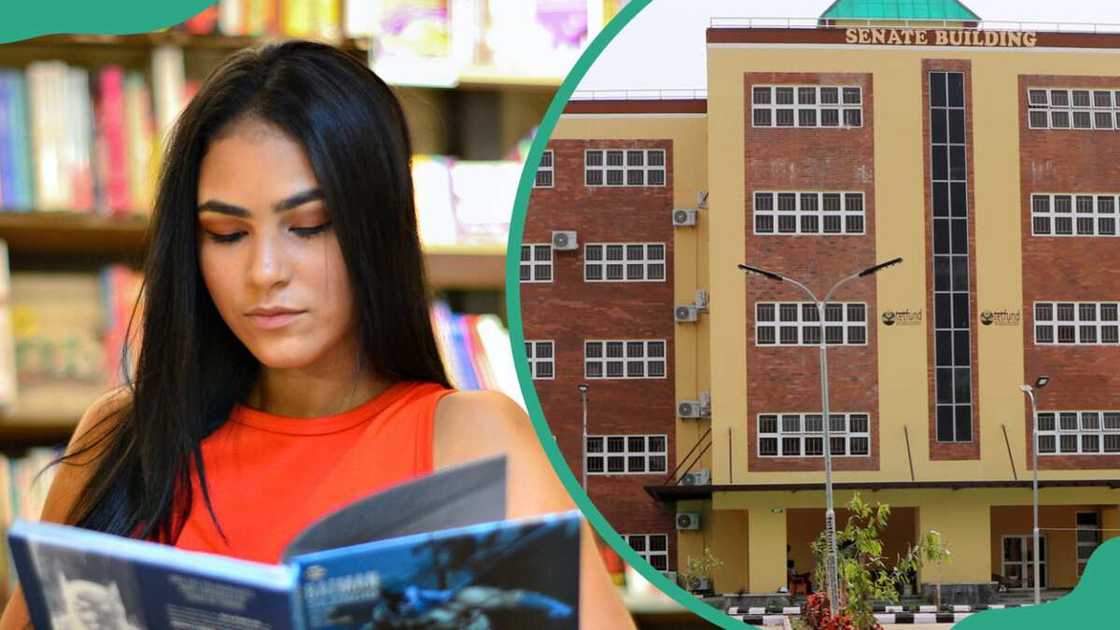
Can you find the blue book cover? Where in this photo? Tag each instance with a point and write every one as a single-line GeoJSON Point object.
{"type": "Point", "coordinates": [425, 554]}
{"type": "Point", "coordinates": [462, 348]}
{"type": "Point", "coordinates": [7, 178]}
{"type": "Point", "coordinates": [20, 142]}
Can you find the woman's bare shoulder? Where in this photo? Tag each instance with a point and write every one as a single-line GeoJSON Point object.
{"type": "Point", "coordinates": [477, 424]}
{"type": "Point", "coordinates": [84, 453]}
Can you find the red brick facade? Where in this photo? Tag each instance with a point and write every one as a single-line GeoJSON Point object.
{"type": "Point", "coordinates": [1068, 268]}
{"type": "Point", "coordinates": [569, 310]}
{"type": "Point", "coordinates": [787, 378]}
{"type": "Point", "coordinates": [951, 450]}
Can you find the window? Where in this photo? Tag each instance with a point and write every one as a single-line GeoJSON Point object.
{"type": "Point", "coordinates": [624, 358]}
{"type": "Point", "coordinates": [952, 310]}
{"type": "Point", "coordinates": [802, 434]}
{"type": "Point", "coordinates": [1077, 323]}
{"type": "Point", "coordinates": [1074, 214]}
{"type": "Point", "coordinates": [624, 167]}
{"type": "Point", "coordinates": [542, 360]}
{"type": "Point", "coordinates": [536, 262]}
{"type": "Point", "coordinates": [808, 213]}
{"type": "Point", "coordinates": [545, 171]}
{"type": "Point", "coordinates": [1088, 537]}
{"type": "Point", "coordinates": [653, 548]}
{"type": "Point", "coordinates": [1073, 108]}
{"type": "Point", "coordinates": [1079, 433]}
{"type": "Point", "coordinates": [797, 324]}
{"type": "Point", "coordinates": [624, 262]}
{"type": "Point", "coordinates": [806, 106]}
{"type": "Point", "coordinates": [627, 454]}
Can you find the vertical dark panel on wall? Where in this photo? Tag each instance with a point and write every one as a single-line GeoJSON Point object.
{"type": "Point", "coordinates": [952, 316]}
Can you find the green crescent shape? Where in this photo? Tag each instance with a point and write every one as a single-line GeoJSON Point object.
{"type": "Point", "coordinates": [23, 20]}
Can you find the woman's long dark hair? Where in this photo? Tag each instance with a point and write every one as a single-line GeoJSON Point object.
{"type": "Point", "coordinates": [191, 369]}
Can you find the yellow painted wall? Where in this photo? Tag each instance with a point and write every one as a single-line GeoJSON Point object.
{"type": "Point", "coordinates": [1110, 521]}
{"type": "Point", "coordinates": [899, 231]}
{"type": "Point", "coordinates": [690, 175]}
{"type": "Point", "coordinates": [963, 517]}
{"type": "Point", "coordinates": [1061, 555]}
{"type": "Point", "coordinates": [766, 557]}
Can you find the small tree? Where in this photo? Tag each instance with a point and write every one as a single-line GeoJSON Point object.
{"type": "Point", "coordinates": [862, 572]}
{"type": "Point", "coordinates": [699, 570]}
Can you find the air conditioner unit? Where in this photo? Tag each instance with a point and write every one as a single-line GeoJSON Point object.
{"type": "Point", "coordinates": [686, 313]}
{"type": "Point", "coordinates": [564, 241]}
{"type": "Point", "coordinates": [693, 408]}
{"type": "Point", "coordinates": [683, 217]}
{"type": "Point", "coordinates": [690, 409]}
{"type": "Point", "coordinates": [688, 520]}
{"type": "Point", "coordinates": [702, 199]}
{"type": "Point", "coordinates": [702, 477]}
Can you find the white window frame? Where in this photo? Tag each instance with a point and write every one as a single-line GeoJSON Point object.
{"type": "Point", "coordinates": [648, 554]}
{"type": "Point", "coordinates": [626, 263]}
{"type": "Point", "coordinates": [1090, 545]}
{"type": "Point", "coordinates": [802, 434]}
{"type": "Point", "coordinates": [626, 360]}
{"type": "Point", "coordinates": [1111, 111]}
{"type": "Point", "coordinates": [597, 448]}
{"type": "Point", "coordinates": [799, 212]}
{"type": "Point", "coordinates": [841, 107]}
{"type": "Point", "coordinates": [1098, 219]}
{"type": "Point", "coordinates": [801, 323]}
{"type": "Point", "coordinates": [625, 168]}
{"type": "Point", "coordinates": [532, 348]}
{"type": "Point", "coordinates": [547, 166]}
{"type": "Point", "coordinates": [1051, 430]}
{"type": "Point", "coordinates": [1099, 325]}
{"type": "Point", "coordinates": [535, 264]}
{"type": "Point", "coordinates": [1026, 548]}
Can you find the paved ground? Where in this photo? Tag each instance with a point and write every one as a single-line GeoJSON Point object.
{"type": "Point", "coordinates": [919, 626]}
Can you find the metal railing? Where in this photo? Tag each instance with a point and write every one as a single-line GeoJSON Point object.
{"type": "Point", "coordinates": [639, 95]}
{"type": "Point", "coordinates": [986, 25]}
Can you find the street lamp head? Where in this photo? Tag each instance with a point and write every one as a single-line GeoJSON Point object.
{"type": "Point", "coordinates": [582, 387]}
{"type": "Point", "coordinates": [770, 275]}
{"type": "Point", "coordinates": [1041, 382]}
{"type": "Point", "coordinates": [879, 267]}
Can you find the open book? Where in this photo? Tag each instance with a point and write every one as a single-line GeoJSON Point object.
{"type": "Point", "coordinates": [433, 553]}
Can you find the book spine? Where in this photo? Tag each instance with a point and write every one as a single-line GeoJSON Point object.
{"type": "Point", "coordinates": [78, 134]}
{"type": "Point", "coordinates": [113, 127]}
{"type": "Point", "coordinates": [21, 146]}
{"type": "Point", "coordinates": [8, 388]}
{"type": "Point", "coordinates": [231, 17]}
{"type": "Point", "coordinates": [462, 352]}
{"type": "Point", "coordinates": [7, 181]}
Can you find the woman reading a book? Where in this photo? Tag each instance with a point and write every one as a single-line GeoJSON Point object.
{"type": "Point", "coordinates": [288, 364]}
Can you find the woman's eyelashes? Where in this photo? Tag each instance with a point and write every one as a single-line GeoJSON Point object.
{"type": "Point", "coordinates": [302, 232]}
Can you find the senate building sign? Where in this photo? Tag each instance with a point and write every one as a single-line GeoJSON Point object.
{"type": "Point", "coordinates": [941, 37]}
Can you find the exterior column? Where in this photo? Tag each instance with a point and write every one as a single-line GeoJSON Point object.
{"type": "Point", "coordinates": [766, 558]}
{"type": "Point", "coordinates": [965, 525]}
{"type": "Point", "coordinates": [1110, 522]}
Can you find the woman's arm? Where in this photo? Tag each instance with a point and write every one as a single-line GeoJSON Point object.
{"type": "Point", "coordinates": [475, 425]}
{"type": "Point", "coordinates": [68, 483]}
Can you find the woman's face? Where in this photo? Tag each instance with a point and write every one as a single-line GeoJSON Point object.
{"type": "Point", "coordinates": [268, 252]}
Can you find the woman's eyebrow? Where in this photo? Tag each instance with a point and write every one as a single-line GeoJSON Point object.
{"type": "Point", "coordinates": [294, 201]}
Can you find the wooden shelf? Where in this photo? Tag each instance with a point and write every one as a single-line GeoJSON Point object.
{"type": "Point", "coordinates": [76, 234]}
{"type": "Point", "coordinates": [473, 77]}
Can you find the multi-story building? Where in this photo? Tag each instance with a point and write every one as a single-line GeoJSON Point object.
{"type": "Point", "coordinates": [986, 155]}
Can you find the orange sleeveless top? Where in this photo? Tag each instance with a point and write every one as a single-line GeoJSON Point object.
{"type": "Point", "coordinates": [271, 476]}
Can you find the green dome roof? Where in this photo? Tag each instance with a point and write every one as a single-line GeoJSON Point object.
{"type": "Point", "coordinates": [899, 10]}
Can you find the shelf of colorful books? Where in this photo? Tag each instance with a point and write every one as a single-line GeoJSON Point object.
{"type": "Point", "coordinates": [83, 234]}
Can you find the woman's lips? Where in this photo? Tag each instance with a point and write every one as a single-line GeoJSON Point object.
{"type": "Point", "coordinates": [273, 320]}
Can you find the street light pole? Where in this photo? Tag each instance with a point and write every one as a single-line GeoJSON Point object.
{"type": "Point", "coordinates": [582, 387]}
{"type": "Point", "coordinates": [1029, 391]}
{"type": "Point", "coordinates": [831, 562]}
